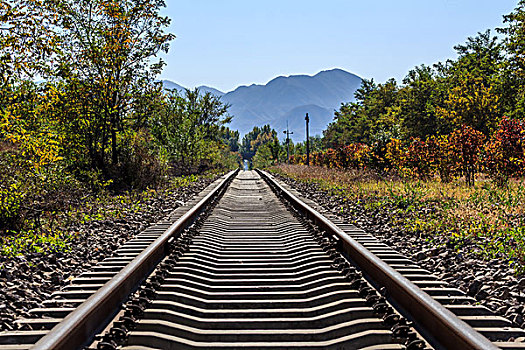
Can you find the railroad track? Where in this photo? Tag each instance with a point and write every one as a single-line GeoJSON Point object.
{"type": "Point", "coordinates": [249, 264]}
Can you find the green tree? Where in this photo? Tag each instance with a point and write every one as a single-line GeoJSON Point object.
{"type": "Point", "coordinates": [366, 119]}
{"type": "Point", "coordinates": [471, 103]}
{"type": "Point", "coordinates": [256, 138]}
{"type": "Point", "coordinates": [105, 57]}
{"type": "Point", "coordinates": [26, 39]}
{"type": "Point", "coordinates": [316, 145]}
{"type": "Point", "coordinates": [270, 153]}
{"type": "Point", "coordinates": [417, 103]}
{"type": "Point", "coordinates": [183, 126]}
{"type": "Point", "coordinates": [473, 85]}
{"type": "Point", "coordinates": [230, 138]}
{"type": "Point", "coordinates": [514, 72]}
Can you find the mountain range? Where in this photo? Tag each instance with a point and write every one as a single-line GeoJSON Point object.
{"type": "Point", "coordinates": [287, 100]}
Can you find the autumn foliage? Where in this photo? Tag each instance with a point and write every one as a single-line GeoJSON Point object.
{"type": "Point", "coordinates": [504, 153]}
{"type": "Point", "coordinates": [462, 153]}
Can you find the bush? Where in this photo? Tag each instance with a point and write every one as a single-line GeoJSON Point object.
{"type": "Point", "coordinates": [441, 155]}
{"type": "Point", "coordinates": [504, 153]}
{"type": "Point", "coordinates": [419, 158]}
{"type": "Point", "coordinates": [354, 155]}
{"type": "Point", "coordinates": [139, 166]}
{"type": "Point", "coordinates": [27, 194]}
{"type": "Point", "coordinates": [456, 154]}
{"type": "Point", "coordinates": [467, 143]}
{"type": "Point", "coordinates": [396, 157]}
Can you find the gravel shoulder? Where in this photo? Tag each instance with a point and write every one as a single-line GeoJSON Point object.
{"type": "Point", "coordinates": [29, 279]}
{"type": "Point", "coordinates": [492, 282]}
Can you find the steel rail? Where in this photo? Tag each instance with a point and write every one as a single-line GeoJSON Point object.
{"type": "Point", "coordinates": [445, 327]}
{"type": "Point", "coordinates": [80, 326]}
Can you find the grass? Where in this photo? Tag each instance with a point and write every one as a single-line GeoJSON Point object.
{"type": "Point", "coordinates": [53, 234]}
{"type": "Point", "coordinates": [488, 219]}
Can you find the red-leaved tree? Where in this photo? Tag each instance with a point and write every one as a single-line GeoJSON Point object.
{"type": "Point", "coordinates": [504, 153]}
{"type": "Point", "coordinates": [466, 144]}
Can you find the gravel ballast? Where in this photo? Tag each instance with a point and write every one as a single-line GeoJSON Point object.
{"type": "Point", "coordinates": [27, 280]}
{"type": "Point", "coordinates": [492, 282]}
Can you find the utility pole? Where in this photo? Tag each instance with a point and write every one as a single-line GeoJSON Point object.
{"type": "Point", "coordinates": [307, 141]}
{"type": "Point", "coordinates": [288, 133]}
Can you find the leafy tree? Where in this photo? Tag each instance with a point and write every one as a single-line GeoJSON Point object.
{"type": "Point", "coordinates": [467, 144]}
{"type": "Point", "coordinates": [316, 145]}
{"type": "Point", "coordinates": [349, 125]}
{"type": "Point", "coordinates": [230, 138]}
{"type": "Point", "coordinates": [270, 153]}
{"type": "Point", "coordinates": [26, 39]}
{"type": "Point", "coordinates": [104, 59]}
{"type": "Point", "coordinates": [481, 55]}
{"type": "Point", "coordinates": [366, 119]}
{"type": "Point", "coordinates": [505, 151]}
{"type": "Point", "coordinates": [514, 74]}
{"type": "Point", "coordinates": [417, 102]}
{"type": "Point", "coordinates": [473, 85]}
{"type": "Point", "coordinates": [183, 126]}
{"type": "Point", "coordinates": [471, 103]}
{"type": "Point", "coordinates": [256, 138]}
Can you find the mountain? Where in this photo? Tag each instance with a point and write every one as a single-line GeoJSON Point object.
{"type": "Point", "coordinates": [288, 99]}
{"type": "Point", "coordinates": [169, 85]}
{"type": "Point", "coordinates": [211, 90]}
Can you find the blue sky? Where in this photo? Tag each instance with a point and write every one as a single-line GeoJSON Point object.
{"type": "Point", "coordinates": [227, 43]}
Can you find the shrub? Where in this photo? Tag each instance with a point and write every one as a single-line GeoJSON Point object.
{"type": "Point", "coordinates": [139, 166]}
{"type": "Point", "coordinates": [419, 158]}
{"type": "Point", "coordinates": [466, 145]}
{"type": "Point", "coordinates": [354, 155]}
{"type": "Point", "coordinates": [441, 155]}
{"type": "Point", "coordinates": [504, 153]}
{"type": "Point", "coordinates": [396, 156]}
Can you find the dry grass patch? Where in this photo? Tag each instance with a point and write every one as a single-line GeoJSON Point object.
{"type": "Point", "coordinates": [490, 216]}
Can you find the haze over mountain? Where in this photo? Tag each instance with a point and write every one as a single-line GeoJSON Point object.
{"type": "Point", "coordinates": [288, 99]}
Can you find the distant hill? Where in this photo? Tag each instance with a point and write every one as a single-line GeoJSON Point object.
{"type": "Point", "coordinates": [289, 99]}
{"type": "Point", "coordinates": [211, 90]}
{"type": "Point", "coordinates": [169, 85]}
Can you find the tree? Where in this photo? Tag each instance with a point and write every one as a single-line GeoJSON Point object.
{"type": "Point", "coordinates": [466, 144]}
{"type": "Point", "coordinates": [349, 125]}
{"type": "Point", "coordinates": [481, 55]}
{"type": "Point", "coordinates": [473, 85]}
{"type": "Point", "coordinates": [256, 138]}
{"type": "Point", "coordinates": [514, 42]}
{"type": "Point", "coordinates": [268, 154]}
{"type": "Point", "coordinates": [505, 151]}
{"type": "Point", "coordinates": [183, 128]}
{"type": "Point", "coordinates": [366, 119]}
{"type": "Point", "coordinates": [104, 60]}
{"type": "Point", "coordinates": [26, 39]}
{"type": "Point", "coordinates": [471, 103]}
{"type": "Point", "coordinates": [230, 138]}
{"type": "Point", "coordinates": [316, 145]}
{"type": "Point", "coordinates": [417, 103]}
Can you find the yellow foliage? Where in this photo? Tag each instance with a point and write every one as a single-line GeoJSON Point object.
{"type": "Point", "coordinates": [473, 102]}
{"type": "Point", "coordinates": [39, 147]}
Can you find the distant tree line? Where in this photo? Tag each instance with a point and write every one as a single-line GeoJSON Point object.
{"type": "Point", "coordinates": [262, 148]}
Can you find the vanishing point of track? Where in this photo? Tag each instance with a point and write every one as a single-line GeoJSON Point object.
{"type": "Point", "coordinates": [249, 264]}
